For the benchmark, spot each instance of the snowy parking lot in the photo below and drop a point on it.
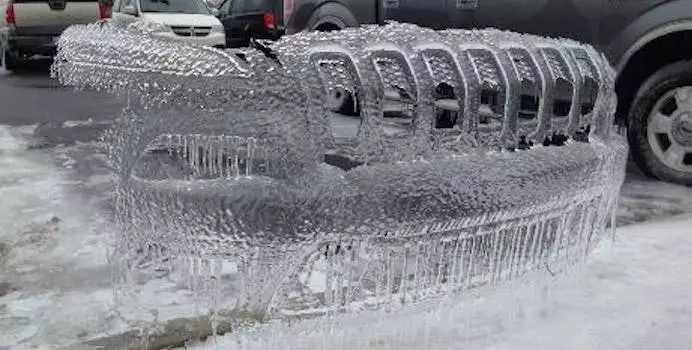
(55, 236)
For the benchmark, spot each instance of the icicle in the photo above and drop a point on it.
(250, 156)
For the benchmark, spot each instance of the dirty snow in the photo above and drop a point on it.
(54, 274)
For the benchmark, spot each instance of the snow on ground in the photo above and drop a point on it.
(642, 199)
(54, 276)
(635, 293)
(55, 281)
(54, 256)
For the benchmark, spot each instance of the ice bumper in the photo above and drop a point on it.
(438, 196)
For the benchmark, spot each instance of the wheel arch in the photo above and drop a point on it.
(651, 38)
(656, 31)
(332, 15)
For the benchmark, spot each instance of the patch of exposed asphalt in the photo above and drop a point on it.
(634, 209)
(52, 134)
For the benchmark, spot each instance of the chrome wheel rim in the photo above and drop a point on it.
(669, 129)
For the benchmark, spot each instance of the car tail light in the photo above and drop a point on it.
(288, 10)
(269, 20)
(9, 14)
(104, 10)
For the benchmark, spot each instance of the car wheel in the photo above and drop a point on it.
(10, 60)
(660, 129)
(333, 17)
(341, 100)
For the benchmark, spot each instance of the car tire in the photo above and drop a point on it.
(10, 60)
(341, 101)
(337, 16)
(660, 124)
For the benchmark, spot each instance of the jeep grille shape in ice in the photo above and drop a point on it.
(223, 156)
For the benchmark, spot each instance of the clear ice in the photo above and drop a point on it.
(230, 160)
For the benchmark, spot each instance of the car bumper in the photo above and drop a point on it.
(237, 42)
(255, 212)
(235, 37)
(213, 39)
(33, 45)
(41, 40)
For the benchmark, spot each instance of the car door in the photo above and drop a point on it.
(244, 18)
(426, 13)
(224, 15)
(461, 13)
(224, 10)
(576, 19)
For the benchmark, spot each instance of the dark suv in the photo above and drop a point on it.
(648, 41)
(269, 19)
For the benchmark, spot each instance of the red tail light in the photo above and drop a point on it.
(104, 10)
(9, 14)
(288, 10)
(269, 20)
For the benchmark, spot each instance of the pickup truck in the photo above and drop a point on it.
(648, 41)
(31, 27)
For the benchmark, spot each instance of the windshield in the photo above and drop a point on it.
(174, 6)
(244, 6)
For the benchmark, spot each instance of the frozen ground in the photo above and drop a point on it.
(54, 241)
(54, 279)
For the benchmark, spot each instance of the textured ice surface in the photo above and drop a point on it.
(221, 158)
(633, 294)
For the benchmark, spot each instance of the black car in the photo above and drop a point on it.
(270, 19)
(648, 41)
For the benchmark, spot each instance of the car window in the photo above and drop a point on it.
(124, 3)
(224, 8)
(240, 6)
(174, 6)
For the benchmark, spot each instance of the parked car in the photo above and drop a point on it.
(31, 27)
(648, 41)
(270, 19)
(187, 20)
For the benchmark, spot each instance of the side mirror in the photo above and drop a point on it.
(130, 10)
(214, 11)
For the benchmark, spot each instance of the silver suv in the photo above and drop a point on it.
(31, 27)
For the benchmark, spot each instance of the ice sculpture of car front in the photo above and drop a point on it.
(232, 155)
